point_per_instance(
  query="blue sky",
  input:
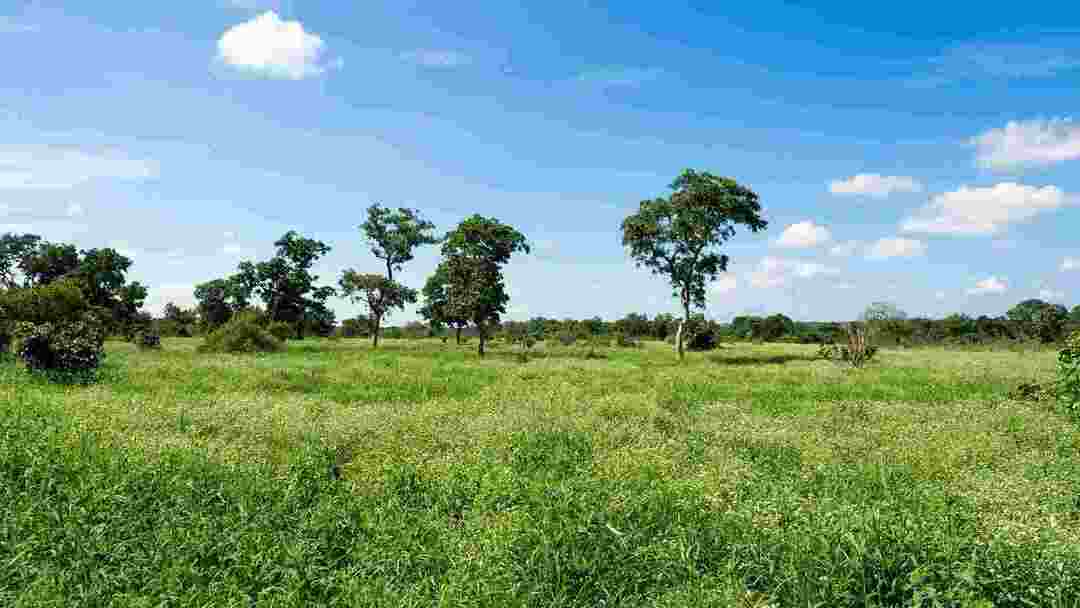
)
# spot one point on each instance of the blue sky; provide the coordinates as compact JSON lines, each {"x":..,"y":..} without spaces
{"x":925,"y":154}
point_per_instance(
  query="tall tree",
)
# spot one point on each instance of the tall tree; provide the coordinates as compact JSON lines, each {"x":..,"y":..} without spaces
{"x":393,"y":235}
{"x":219,"y":300}
{"x":474,"y":254}
{"x":377,"y":294}
{"x":285,"y":283}
{"x":676,"y":237}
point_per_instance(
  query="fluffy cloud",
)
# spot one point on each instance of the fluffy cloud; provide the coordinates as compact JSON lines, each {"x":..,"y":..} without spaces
{"x":430,"y":58}
{"x":990,"y":285}
{"x":896,"y":248}
{"x":1027,"y":144}
{"x":47,"y":167}
{"x":804,"y":234}
{"x":875,"y":185}
{"x":983,"y":210}
{"x":1070,"y":264}
{"x":271,"y":47}
{"x":845,"y":249}
{"x":777,"y":272}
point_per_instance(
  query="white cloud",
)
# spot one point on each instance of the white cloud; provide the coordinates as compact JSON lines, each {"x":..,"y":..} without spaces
{"x":896,"y":248}
{"x":1052,"y":296}
{"x":432,"y":58}
{"x":845,"y":249}
{"x":990,"y":285}
{"x":725,"y":284}
{"x":75,"y":210}
{"x":1028,"y":143}
{"x":271,"y":47}
{"x":974,"y":210}
{"x":44,"y":167}
{"x":777,"y":272}
{"x":1070,"y":264}
{"x":804,"y":234}
{"x":875,"y":185}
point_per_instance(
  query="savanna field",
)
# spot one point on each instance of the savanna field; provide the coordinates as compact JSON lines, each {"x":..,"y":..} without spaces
{"x":421,"y":475}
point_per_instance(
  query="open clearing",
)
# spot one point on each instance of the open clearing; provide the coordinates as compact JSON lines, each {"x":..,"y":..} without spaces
{"x":751,"y":475}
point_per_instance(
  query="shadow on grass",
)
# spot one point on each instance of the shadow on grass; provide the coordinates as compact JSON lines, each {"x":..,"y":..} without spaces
{"x":760,"y":360}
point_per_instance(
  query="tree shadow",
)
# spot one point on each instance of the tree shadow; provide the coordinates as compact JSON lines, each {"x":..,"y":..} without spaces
{"x":760,"y":360}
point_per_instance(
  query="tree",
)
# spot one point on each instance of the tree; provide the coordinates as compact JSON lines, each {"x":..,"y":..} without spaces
{"x":219,"y":300}
{"x":474,"y":254}
{"x":393,"y":236}
{"x":1045,"y":320}
{"x":1074,"y":314}
{"x":14,"y":250}
{"x":48,"y":263}
{"x":285,"y":283}
{"x":883,"y":311}
{"x":436,"y":308}
{"x":377,"y":294}
{"x":676,"y":237}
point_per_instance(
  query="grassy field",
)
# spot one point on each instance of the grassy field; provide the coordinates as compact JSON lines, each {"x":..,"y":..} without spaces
{"x":750,"y":476}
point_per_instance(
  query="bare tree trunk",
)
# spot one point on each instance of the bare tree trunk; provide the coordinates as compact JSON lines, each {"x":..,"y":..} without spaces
{"x":680,"y":336}
{"x":483,"y":337}
{"x":375,"y":332}
{"x":459,"y":335}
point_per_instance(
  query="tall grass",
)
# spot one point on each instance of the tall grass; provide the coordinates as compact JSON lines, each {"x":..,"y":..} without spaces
{"x":754,"y":476}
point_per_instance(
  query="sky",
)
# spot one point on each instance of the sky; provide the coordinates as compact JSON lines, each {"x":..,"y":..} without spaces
{"x":919,"y":153}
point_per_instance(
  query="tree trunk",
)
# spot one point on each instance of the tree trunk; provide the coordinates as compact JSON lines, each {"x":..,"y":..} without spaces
{"x":680,"y":336}
{"x":375,"y":332}
{"x":483,"y":337}
{"x":459,"y":336}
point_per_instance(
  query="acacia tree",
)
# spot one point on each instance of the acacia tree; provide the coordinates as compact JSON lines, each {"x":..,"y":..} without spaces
{"x":377,"y":294}
{"x":393,"y":236}
{"x":474,"y":254}
{"x":677,"y":236}
{"x":285,"y":283}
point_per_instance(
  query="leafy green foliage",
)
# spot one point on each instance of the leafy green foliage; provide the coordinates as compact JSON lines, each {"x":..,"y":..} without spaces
{"x":242,"y":334}
{"x":53,"y":327}
{"x":14,"y":250}
{"x":285,"y":283}
{"x":858,"y":351}
{"x":281,"y":331}
{"x":219,"y":300}
{"x":473,"y":256}
{"x":676,"y":237}
{"x":394,"y":235}
{"x":378,"y":294}
{"x":1068,"y":381}
{"x":1045,"y":321}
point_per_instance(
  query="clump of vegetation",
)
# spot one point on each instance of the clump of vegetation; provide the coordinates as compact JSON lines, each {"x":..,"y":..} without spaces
{"x":148,"y":340}
{"x":1068,"y":381}
{"x":858,"y":351}
{"x":54,"y":329}
{"x":280,"y":330}
{"x":567,"y":338}
{"x":241,"y":334}
{"x":626,"y":341}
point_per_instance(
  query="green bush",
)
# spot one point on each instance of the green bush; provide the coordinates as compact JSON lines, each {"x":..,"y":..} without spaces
{"x":623,"y":340}
{"x":280,"y":330}
{"x":242,"y":334}
{"x":53,"y":328}
{"x":1068,"y":382}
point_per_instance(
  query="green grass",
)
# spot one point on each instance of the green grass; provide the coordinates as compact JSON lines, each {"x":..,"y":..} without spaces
{"x":750,"y":476}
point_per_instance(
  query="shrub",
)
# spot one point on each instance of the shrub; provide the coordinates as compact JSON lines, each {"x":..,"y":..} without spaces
{"x":858,"y":350}
{"x":74,"y":346}
{"x":623,"y":340}
{"x":567,"y":339}
{"x":280,"y":330}
{"x":241,"y":334}
{"x":148,"y":340}
{"x":1068,"y":381}
{"x":53,"y":328}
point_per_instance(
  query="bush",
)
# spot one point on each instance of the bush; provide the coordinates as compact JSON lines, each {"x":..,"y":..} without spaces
{"x":280,"y":330}
{"x":858,"y":350}
{"x":1068,"y":381}
{"x":567,"y":339}
{"x":148,"y":340}
{"x":623,"y":340}
{"x":68,"y":347}
{"x":242,"y":334}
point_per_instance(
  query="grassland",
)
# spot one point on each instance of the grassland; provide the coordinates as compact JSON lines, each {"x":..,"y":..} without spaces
{"x":750,"y":476}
